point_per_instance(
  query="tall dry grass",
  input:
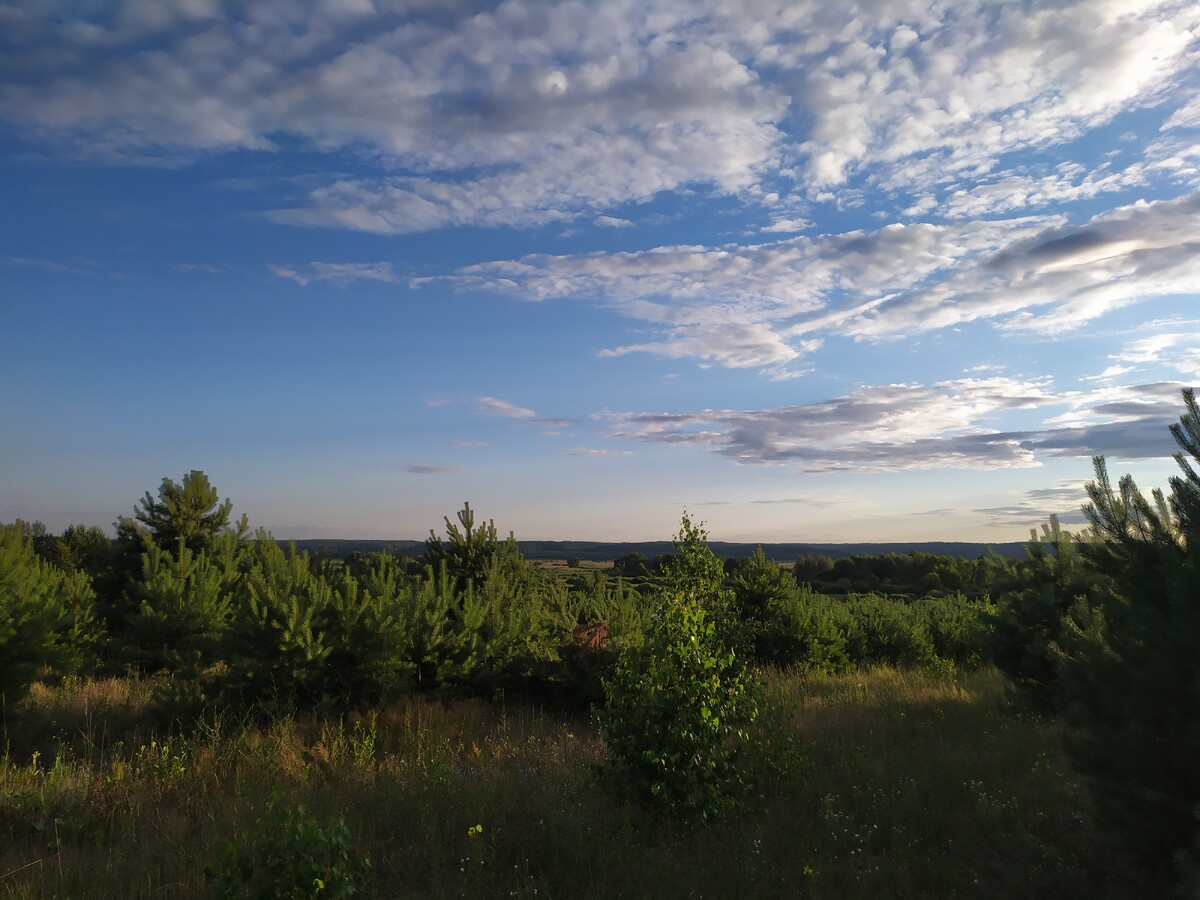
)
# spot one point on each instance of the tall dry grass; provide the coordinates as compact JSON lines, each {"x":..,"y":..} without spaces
{"x":875,"y":784}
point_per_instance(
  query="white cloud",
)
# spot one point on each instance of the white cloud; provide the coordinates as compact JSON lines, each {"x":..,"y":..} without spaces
{"x":492,"y":406}
{"x":1034,"y":508}
{"x":879,"y":428}
{"x":1057,"y":278}
{"x":1178,"y":351}
{"x":787,"y":225}
{"x":1186,"y":116}
{"x":612,"y":222}
{"x":517,"y":114}
{"x":754,"y":305}
{"x":1010,"y":191}
{"x":337,"y":273}
{"x":590,"y":451}
{"x":897,"y":427}
{"x":551,"y":426}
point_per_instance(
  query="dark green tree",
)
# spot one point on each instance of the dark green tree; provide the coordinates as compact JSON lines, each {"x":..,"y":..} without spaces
{"x":1040,"y":600}
{"x":45,"y":615}
{"x":810,"y":568}
{"x":190,"y":512}
{"x":276,"y":646}
{"x":468,"y":551}
{"x":186,"y":515}
{"x":759,"y":588}
{"x":181,"y":607}
{"x":1132,"y":690}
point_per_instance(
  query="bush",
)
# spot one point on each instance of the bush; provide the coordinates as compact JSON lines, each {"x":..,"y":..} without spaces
{"x":677,"y":707}
{"x":887,"y":631}
{"x":957,"y":627}
{"x":810,"y":633}
{"x":290,"y":854}
{"x":1040,"y":599}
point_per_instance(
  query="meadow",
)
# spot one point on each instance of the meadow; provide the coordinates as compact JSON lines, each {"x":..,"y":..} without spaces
{"x":872,"y":783}
{"x":192,"y":711}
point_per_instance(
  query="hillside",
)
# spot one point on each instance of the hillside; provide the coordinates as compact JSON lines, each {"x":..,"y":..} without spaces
{"x":338,"y":548}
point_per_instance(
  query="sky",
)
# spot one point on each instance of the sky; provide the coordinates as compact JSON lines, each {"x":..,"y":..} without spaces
{"x":811,"y":271}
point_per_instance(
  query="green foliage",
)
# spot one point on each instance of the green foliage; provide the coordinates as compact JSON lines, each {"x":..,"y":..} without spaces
{"x":368,"y":633}
{"x":189,"y":512}
{"x":468,"y":552}
{"x":80,"y":548}
{"x":289,"y":854}
{"x":277,"y":647}
{"x":818,"y":633}
{"x":957,"y":627}
{"x":1041,"y":600}
{"x":695,"y":571}
{"x":45,"y":615}
{"x":433,"y":637}
{"x":809,"y":567}
{"x":632,"y":565}
{"x":187,"y":515}
{"x":910,"y":575}
{"x":508,"y":630}
{"x":677,"y":707}
{"x":181,"y":609}
{"x":760,"y":589}
{"x":1132,"y":690}
{"x":887,"y":631}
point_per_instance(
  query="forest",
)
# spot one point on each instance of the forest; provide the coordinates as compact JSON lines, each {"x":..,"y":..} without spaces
{"x":193,"y":708}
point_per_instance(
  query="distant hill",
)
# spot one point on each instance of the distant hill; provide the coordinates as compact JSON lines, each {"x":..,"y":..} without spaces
{"x":599,"y":551}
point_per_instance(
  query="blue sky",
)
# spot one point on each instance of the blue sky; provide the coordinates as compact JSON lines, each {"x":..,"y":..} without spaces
{"x":814,"y":271}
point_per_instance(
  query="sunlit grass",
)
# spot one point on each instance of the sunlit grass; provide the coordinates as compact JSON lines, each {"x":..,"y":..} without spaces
{"x":890,"y":784}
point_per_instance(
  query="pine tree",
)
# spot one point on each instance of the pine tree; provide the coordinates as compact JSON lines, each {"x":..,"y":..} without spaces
{"x":276,"y":647}
{"x":468,"y":552}
{"x":189,"y":512}
{"x":186,"y":516}
{"x":45,"y":615}
{"x":1040,"y":600}
{"x":1133,"y":689}
{"x":181,"y":610}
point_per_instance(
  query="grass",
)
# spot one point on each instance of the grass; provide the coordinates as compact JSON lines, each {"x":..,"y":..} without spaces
{"x":875,"y":784}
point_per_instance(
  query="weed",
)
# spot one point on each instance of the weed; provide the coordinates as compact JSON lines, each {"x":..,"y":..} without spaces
{"x":290,"y":854}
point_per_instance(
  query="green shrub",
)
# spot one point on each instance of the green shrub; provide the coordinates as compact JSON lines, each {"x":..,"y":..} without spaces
{"x":45,"y":616}
{"x":675,"y":714}
{"x":957,"y":627}
{"x":289,"y":854}
{"x":810,"y":633}
{"x":677,"y":707}
{"x":887,"y":631}
{"x":1039,"y":601}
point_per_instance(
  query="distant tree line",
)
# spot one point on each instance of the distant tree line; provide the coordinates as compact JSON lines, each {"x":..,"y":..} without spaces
{"x":187,"y":592}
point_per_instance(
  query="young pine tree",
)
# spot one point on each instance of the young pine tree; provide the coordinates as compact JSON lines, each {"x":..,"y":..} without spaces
{"x":1041,"y":599}
{"x":45,"y":616}
{"x":1132,"y":692}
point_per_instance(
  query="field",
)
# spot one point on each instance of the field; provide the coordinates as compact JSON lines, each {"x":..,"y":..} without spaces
{"x":875,"y":784}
